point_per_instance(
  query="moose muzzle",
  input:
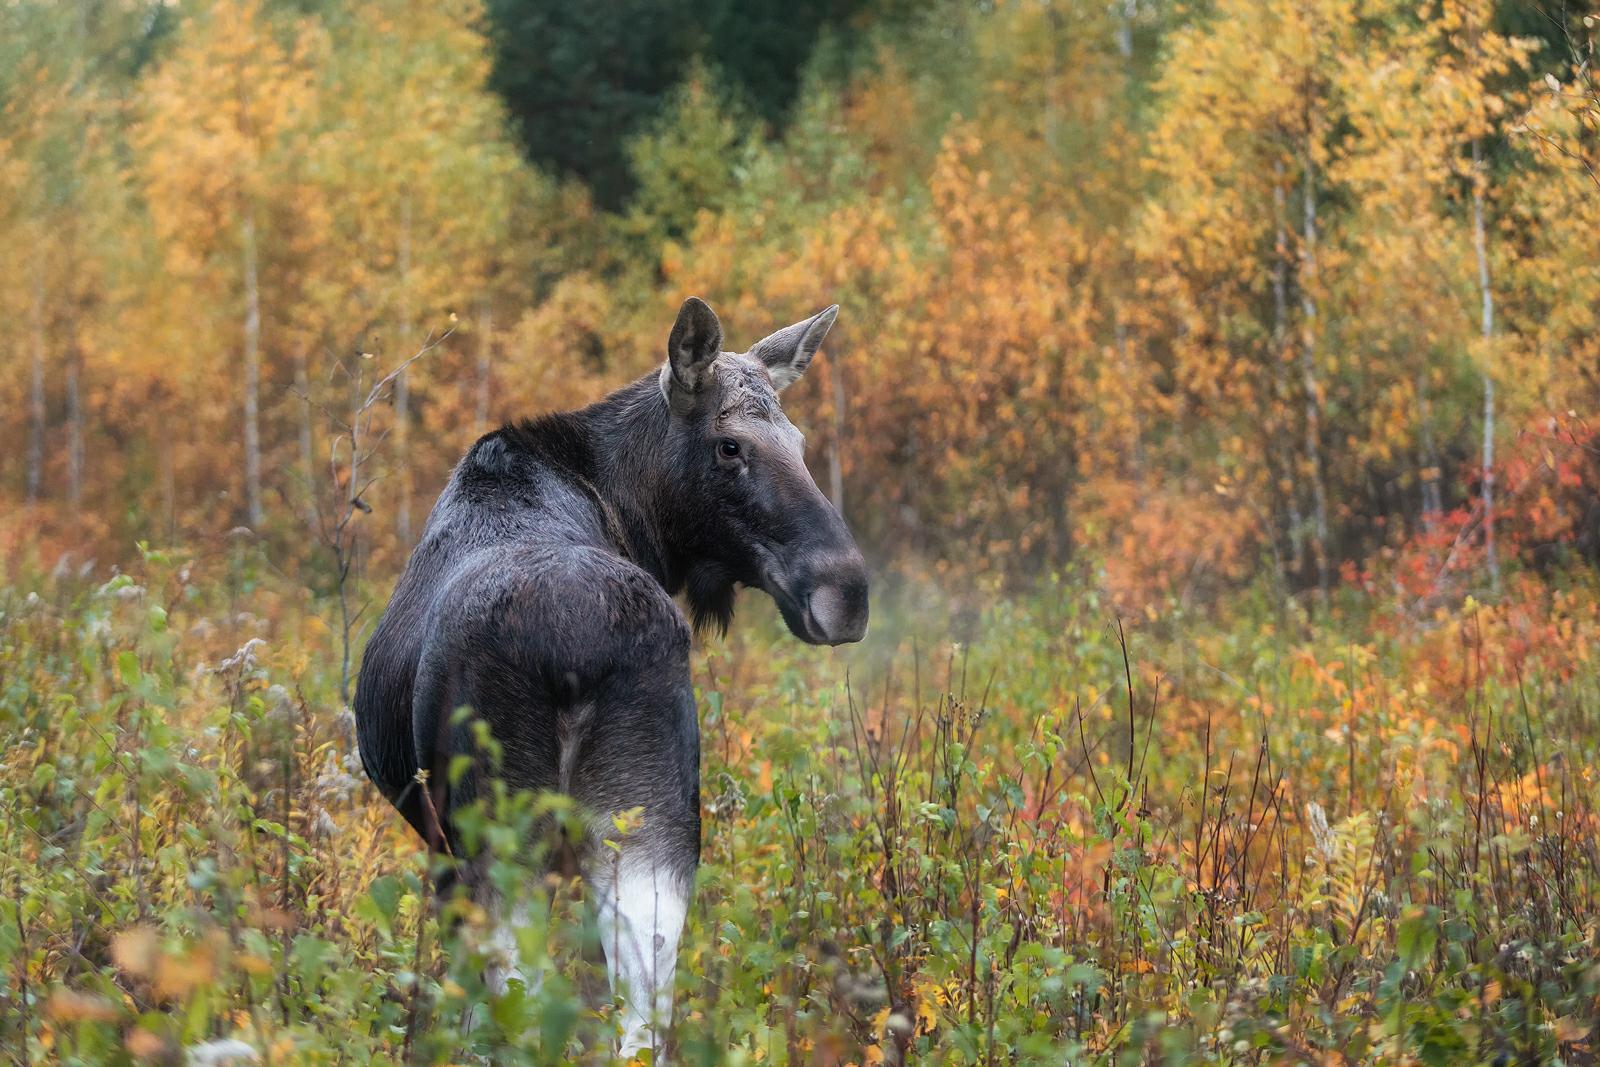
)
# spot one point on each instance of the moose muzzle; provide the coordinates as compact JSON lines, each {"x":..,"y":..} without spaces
{"x":832,"y":598}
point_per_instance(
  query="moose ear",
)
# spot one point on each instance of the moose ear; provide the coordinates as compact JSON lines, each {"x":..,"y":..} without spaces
{"x":695,"y":343}
{"x":787,"y":353}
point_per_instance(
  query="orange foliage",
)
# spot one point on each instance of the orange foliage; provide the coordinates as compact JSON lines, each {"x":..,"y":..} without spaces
{"x":1193,"y":313}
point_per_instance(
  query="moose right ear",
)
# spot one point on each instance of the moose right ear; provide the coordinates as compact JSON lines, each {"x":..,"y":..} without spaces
{"x":695,"y":344}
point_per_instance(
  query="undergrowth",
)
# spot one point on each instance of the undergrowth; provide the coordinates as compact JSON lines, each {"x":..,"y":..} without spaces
{"x":1250,"y":837}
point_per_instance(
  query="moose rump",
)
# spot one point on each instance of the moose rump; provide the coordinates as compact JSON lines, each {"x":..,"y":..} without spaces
{"x":579,"y":659}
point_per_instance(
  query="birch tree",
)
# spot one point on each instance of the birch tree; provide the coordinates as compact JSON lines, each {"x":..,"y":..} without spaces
{"x":217,"y":139}
{"x":419,"y":210}
{"x":1234,"y":236}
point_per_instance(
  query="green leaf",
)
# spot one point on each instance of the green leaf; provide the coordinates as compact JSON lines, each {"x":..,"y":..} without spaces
{"x":1416,"y":937}
{"x":128,"y":668}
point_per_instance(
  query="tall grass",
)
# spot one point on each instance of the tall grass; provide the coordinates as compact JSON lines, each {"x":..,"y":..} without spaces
{"x":1234,"y":839}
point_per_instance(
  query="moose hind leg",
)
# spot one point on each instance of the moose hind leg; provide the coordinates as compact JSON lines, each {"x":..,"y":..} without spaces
{"x":639,"y":776}
{"x":642,"y":908}
{"x":504,"y":957}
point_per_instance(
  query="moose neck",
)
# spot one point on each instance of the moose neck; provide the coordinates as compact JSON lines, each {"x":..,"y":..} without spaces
{"x":627,"y":436}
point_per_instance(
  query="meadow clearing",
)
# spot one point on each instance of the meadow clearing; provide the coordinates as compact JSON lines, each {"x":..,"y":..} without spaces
{"x":1237,"y":836}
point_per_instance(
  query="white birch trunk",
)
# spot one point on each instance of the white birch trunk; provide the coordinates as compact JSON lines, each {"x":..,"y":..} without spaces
{"x":1480,"y":242}
{"x":36,"y":396}
{"x":252,"y":375}
{"x":1053,"y":17}
{"x":308,"y":462}
{"x":74,"y":431}
{"x":169,"y":489}
{"x":1280,"y":378}
{"x":1308,"y":371}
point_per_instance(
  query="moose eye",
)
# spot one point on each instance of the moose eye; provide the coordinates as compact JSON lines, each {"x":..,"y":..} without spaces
{"x":728,"y":448}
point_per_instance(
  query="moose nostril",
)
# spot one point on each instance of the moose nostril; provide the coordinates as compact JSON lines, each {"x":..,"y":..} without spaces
{"x":827,"y":607}
{"x":838,"y":611}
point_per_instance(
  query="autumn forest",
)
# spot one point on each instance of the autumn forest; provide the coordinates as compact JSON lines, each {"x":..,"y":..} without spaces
{"x":1215,"y":396}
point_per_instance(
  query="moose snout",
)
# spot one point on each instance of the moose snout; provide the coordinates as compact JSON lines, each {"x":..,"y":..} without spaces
{"x":836,"y":602}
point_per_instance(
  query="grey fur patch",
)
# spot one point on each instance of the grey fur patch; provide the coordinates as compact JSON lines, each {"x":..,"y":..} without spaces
{"x":570,"y":730}
{"x":745,"y":391}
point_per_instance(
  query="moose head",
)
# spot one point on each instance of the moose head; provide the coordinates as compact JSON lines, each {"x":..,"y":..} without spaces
{"x":750,"y":512}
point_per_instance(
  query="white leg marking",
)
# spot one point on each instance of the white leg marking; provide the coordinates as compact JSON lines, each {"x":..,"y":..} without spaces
{"x":642,"y":911}
{"x":505,"y":958}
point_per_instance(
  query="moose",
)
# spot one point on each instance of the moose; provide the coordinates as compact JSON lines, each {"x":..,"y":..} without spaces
{"x":541,"y":597}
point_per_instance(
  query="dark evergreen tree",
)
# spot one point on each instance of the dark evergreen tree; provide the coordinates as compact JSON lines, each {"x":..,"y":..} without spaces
{"x":580,"y":79}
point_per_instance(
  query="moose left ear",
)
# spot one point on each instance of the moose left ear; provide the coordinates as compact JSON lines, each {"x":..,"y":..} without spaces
{"x":787,"y":353}
{"x":694,"y":345}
